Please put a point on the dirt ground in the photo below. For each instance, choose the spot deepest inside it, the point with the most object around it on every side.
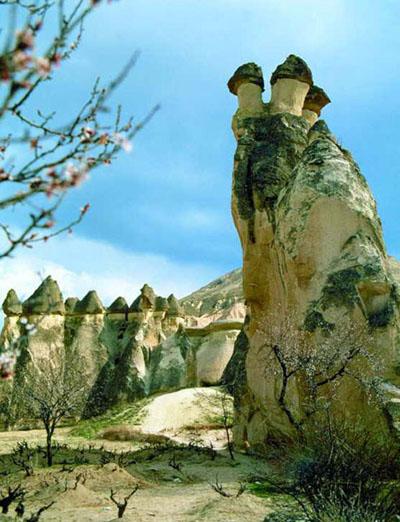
(82, 493)
(175, 477)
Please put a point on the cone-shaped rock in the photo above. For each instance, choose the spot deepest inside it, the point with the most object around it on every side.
(119, 306)
(70, 304)
(145, 301)
(174, 308)
(135, 306)
(161, 304)
(246, 73)
(12, 305)
(46, 299)
(293, 67)
(90, 304)
(148, 296)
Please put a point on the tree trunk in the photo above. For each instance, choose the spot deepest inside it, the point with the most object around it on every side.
(49, 450)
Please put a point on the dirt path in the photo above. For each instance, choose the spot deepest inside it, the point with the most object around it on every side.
(9, 439)
(178, 503)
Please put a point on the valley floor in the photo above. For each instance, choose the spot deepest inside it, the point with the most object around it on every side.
(82, 492)
(175, 476)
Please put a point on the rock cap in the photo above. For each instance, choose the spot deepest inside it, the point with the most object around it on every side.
(145, 301)
(70, 304)
(316, 99)
(12, 305)
(293, 67)
(148, 296)
(161, 304)
(246, 73)
(46, 299)
(118, 306)
(174, 307)
(90, 304)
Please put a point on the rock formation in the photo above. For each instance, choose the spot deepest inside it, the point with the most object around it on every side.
(312, 250)
(127, 352)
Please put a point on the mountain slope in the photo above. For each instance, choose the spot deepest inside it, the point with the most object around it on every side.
(222, 298)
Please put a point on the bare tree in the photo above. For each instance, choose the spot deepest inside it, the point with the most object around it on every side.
(22, 457)
(219, 410)
(8, 498)
(293, 356)
(56, 155)
(225, 403)
(34, 517)
(219, 488)
(122, 504)
(49, 393)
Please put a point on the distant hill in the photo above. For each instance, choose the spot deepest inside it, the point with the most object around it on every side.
(218, 297)
(395, 268)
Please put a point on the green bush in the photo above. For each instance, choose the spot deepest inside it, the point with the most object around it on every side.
(346, 474)
(336, 474)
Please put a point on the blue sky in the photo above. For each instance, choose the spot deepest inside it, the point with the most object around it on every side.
(162, 213)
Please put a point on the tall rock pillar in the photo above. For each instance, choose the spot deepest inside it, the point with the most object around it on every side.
(313, 253)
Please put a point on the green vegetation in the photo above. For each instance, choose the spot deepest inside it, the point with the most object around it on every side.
(122, 414)
(383, 317)
(338, 473)
(314, 320)
(340, 288)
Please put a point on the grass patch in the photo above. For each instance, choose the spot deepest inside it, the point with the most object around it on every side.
(261, 489)
(124, 414)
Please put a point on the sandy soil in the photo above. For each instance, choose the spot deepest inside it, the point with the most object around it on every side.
(82, 492)
(185, 414)
(164, 494)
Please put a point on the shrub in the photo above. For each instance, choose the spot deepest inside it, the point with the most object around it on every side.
(127, 433)
(346, 475)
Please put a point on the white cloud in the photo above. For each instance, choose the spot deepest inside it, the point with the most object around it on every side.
(80, 265)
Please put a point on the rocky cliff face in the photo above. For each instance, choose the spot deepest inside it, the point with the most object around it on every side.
(127, 352)
(312, 251)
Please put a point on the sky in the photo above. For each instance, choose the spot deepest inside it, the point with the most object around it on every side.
(161, 214)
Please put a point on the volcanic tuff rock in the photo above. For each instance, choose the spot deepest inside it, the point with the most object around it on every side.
(312, 248)
(12, 305)
(118, 306)
(46, 299)
(90, 304)
(70, 304)
(13, 309)
(125, 353)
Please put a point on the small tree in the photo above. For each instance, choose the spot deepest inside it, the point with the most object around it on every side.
(317, 363)
(122, 504)
(54, 155)
(42, 156)
(219, 410)
(49, 393)
(7, 498)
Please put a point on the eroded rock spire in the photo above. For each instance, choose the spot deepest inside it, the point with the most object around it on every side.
(46, 299)
(312, 250)
(12, 305)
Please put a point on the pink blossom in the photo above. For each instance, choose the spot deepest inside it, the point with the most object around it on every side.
(122, 142)
(21, 60)
(43, 66)
(25, 39)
